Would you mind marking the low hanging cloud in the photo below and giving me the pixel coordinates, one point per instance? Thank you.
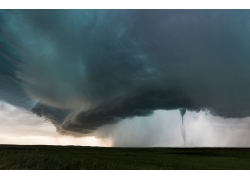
(83, 69)
(19, 126)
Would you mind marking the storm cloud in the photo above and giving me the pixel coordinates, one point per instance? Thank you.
(83, 69)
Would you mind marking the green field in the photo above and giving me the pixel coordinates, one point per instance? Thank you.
(75, 157)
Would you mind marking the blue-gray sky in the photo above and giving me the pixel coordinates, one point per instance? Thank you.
(84, 70)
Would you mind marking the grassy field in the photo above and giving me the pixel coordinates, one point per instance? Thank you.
(74, 157)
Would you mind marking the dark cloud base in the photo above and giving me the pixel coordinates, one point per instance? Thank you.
(88, 68)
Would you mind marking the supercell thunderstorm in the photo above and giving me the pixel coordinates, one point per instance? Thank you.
(83, 69)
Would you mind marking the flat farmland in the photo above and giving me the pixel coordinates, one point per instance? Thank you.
(39, 157)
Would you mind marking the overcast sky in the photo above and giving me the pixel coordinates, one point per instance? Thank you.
(120, 77)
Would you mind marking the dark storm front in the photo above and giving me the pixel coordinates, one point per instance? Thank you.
(83, 69)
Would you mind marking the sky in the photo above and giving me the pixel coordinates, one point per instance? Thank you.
(123, 77)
